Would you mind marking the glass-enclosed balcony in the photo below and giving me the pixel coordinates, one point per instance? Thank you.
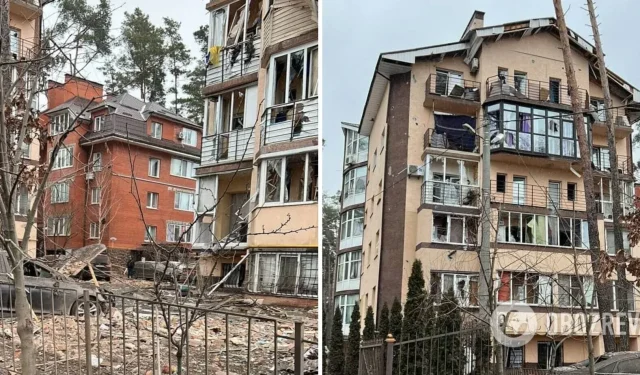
(451, 182)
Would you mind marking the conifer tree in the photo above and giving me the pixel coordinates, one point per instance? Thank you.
(369, 331)
(449, 353)
(418, 312)
(353, 343)
(383, 322)
(395, 320)
(336, 346)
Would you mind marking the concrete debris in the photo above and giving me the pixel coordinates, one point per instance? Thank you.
(127, 342)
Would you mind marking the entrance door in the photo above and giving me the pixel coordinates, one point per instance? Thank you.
(519, 190)
(554, 195)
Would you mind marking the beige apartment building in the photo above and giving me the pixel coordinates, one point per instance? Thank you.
(257, 205)
(25, 19)
(423, 193)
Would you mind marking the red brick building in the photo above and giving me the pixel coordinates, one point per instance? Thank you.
(128, 166)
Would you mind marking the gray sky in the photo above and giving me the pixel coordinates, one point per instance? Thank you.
(355, 32)
(191, 13)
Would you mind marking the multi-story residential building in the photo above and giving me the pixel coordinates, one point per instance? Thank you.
(350, 247)
(258, 198)
(25, 19)
(125, 175)
(423, 111)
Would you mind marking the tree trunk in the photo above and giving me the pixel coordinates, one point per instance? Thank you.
(622, 285)
(603, 289)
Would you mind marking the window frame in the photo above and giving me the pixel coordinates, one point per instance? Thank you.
(59, 123)
(98, 122)
(193, 134)
(96, 199)
(283, 169)
(346, 264)
(462, 217)
(189, 166)
(96, 161)
(55, 194)
(348, 219)
(94, 230)
(177, 200)
(527, 285)
(151, 200)
(185, 234)
(456, 277)
(147, 233)
(65, 152)
(155, 128)
(572, 302)
(504, 237)
(151, 160)
(255, 273)
(271, 87)
(59, 222)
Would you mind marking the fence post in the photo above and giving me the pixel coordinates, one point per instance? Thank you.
(87, 331)
(389, 366)
(298, 358)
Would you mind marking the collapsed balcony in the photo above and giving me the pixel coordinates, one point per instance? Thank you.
(521, 88)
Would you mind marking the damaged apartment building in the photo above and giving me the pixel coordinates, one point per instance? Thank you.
(257, 201)
(425, 115)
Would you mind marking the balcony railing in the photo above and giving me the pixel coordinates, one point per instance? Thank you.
(231, 146)
(235, 61)
(461, 140)
(601, 164)
(453, 87)
(287, 122)
(450, 194)
(522, 88)
(537, 196)
(619, 116)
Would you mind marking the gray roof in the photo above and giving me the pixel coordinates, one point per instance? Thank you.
(132, 107)
(76, 105)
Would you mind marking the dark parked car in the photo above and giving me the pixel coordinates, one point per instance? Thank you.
(101, 268)
(608, 363)
(48, 290)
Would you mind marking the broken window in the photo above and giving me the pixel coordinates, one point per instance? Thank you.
(294, 77)
(273, 180)
(294, 178)
(463, 287)
(520, 287)
(287, 273)
(299, 184)
(451, 228)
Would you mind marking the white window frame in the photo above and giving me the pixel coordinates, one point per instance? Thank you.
(550, 284)
(18, 207)
(156, 130)
(344, 302)
(94, 230)
(625, 241)
(98, 122)
(255, 271)
(348, 221)
(457, 277)
(152, 200)
(56, 194)
(54, 223)
(64, 155)
(271, 72)
(189, 137)
(586, 280)
(352, 152)
(14, 41)
(633, 298)
(151, 162)
(151, 232)
(351, 181)
(177, 200)
(96, 160)
(59, 123)
(347, 263)
(212, 26)
(464, 218)
(583, 232)
(186, 166)
(96, 195)
(185, 233)
(283, 169)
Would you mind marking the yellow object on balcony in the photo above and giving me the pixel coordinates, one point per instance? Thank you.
(214, 55)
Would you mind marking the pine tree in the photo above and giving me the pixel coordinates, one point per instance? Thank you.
(418, 311)
(369, 331)
(383, 322)
(449, 354)
(395, 328)
(192, 100)
(177, 55)
(336, 346)
(353, 343)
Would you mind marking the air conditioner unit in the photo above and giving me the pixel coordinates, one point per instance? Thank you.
(475, 65)
(348, 160)
(415, 170)
(181, 135)
(89, 176)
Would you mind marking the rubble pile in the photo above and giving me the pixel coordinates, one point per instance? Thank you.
(128, 340)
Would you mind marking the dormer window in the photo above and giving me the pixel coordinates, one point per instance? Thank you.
(156, 130)
(97, 123)
(59, 124)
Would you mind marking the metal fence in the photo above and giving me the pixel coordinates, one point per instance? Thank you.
(520, 87)
(81, 332)
(235, 61)
(230, 146)
(446, 84)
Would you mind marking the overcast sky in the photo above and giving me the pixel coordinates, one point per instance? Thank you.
(191, 13)
(355, 32)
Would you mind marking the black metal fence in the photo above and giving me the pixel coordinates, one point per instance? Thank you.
(81, 332)
(519, 86)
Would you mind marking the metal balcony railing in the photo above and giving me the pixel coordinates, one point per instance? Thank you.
(286, 122)
(619, 115)
(450, 194)
(551, 91)
(453, 87)
(537, 196)
(235, 61)
(231, 146)
(600, 162)
(460, 140)
(23, 49)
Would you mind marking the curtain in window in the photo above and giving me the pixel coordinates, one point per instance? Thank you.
(545, 290)
(266, 273)
(504, 292)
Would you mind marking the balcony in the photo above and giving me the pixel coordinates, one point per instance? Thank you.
(290, 121)
(528, 195)
(602, 166)
(450, 194)
(455, 140)
(621, 122)
(232, 146)
(29, 9)
(235, 61)
(451, 92)
(530, 91)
